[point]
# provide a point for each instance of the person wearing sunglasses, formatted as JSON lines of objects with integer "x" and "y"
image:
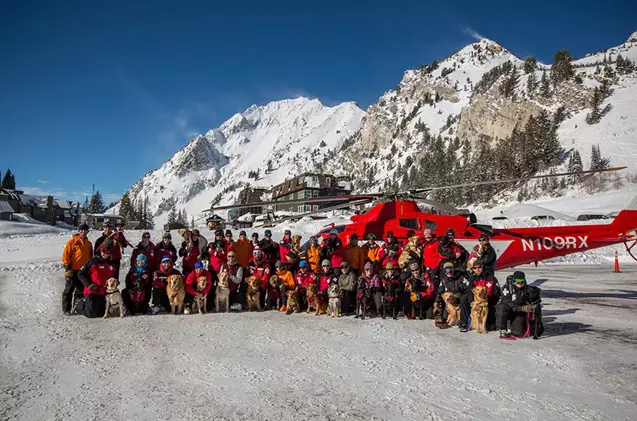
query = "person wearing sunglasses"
{"x": 430, "y": 256}
{"x": 374, "y": 286}
{"x": 347, "y": 283}
{"x": 93, "y": 276}
{"x": 313, "y": 254}
{"x": 147, "y": 248}
{"x": 450, "y": 250}
{"x": 77, "y": 251}
{"x": 218, "y": 251}
{"x": 478, "y": 278}
{"x": 521, "y": 305}
{"x": 488, "y": 256}
{"x": 243, "y": 247}
{"x": 451, "y": 280}
{"x": 332, "y": 250}
{"x": 419, "y": 294}
{"x": 270, "y": 249}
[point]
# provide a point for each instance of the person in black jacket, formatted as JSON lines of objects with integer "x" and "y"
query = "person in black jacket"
{"x": 269, "y": 248}
{"x": 451, "y": 251}
{"x": 479, "y": 278}
{"x": 489, "y": 257}
{"x": 519, "y": 303}
{"x": 451, "y": 280}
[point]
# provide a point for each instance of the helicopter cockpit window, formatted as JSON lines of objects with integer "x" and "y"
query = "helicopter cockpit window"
{"x": 409, "y": 223}
{"x": 431, "y": 225}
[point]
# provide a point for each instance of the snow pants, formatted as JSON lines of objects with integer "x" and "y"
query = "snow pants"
{"x": 73, "y": 290}
{"x": 94, "y": 305}
{"x": 377, "y": 297}
{"x": 505, "y": 313}
{"x": 465, "y": 310}
{"x": 132, "y": 306}
{"x": 421, "y": 308}
{"x": 159, "y": 298}
{"x": 348, "y": 302}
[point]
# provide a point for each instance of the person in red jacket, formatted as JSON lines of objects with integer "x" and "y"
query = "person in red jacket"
{"x": 93, "y": 276}
{"x": 189, "y": 252}
{"x": 430, "y": 256}
{"x": 390, "y": 251}
{"x": 237, "y": 287}
{"x": 147, "y": 248}
{"x": 285, "y": 245}
{"x": 332, "y": 250}
{"x": 138, "y": 287}
{"x": 165, "y": 249}
{"x": 451, "y": 251}
{"x": 159, "y": 297}
{"x": 480, "y": 279}
{"x": 419, "y": 294}
{"x": 304, "y": 277}
{"x": 218, "y": 251}
{"x": 261, "y": 268}
{"x": 191, "y": 287}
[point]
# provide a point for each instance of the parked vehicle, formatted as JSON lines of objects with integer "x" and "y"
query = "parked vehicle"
{"x": 499, "y": 218}
{"x": 542, "y": 218}
{"x": 591, "y": 217}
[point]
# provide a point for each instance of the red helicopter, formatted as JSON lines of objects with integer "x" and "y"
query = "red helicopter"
{"x": 399, "y": 213}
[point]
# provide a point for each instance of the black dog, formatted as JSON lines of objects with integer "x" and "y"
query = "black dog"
{"x": 136, "y": 298}
{"x": 390, "y": 298}
{"x": 363, "y": 296}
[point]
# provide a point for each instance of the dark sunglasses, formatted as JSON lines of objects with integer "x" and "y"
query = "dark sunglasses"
{"x": 146, "y": 236}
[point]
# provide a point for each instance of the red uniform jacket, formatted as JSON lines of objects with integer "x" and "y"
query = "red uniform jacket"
{"x": 385, "y": 252}
{"x": 285, "y": 246}
{"x": 160, "y": 277}
{"x": 326, "y": 279}
{"x": 162, "y": 250}
{"x": 430, "y": 256}
{"x": 96, "y": 271}
{"x": 219, "y": 258}
{"x": 120, "y": 242}
{"x": 304, "y": 280}
{"x": 136, "y": 284}
{"x": 261, "y": 270}
{"x": 148, "y": 251}
{"x": 427, "y": 288}
{"x": 191, "y": 282}
{"x": 235, "y": 273}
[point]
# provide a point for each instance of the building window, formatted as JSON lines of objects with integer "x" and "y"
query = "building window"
{"x": 315, "y": 193}
{"x": 328, "y": 182}
{"x": 431, "y": 225}
{"x": 299, "y": 208}
{"x": 299, "y": 194}
{"x": 409, "y": 223}
{"x": 307, "y": 194}
{"x": 315, "y": 207}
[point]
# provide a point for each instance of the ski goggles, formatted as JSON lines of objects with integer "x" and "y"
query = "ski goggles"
{"x": 519, "y": 281}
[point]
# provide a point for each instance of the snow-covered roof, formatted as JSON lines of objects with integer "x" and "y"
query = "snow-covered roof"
{"x": 38, "y": 201}
{"x": 525, "y": 210}
{"x": 5, "y": 207}
{"x": 63, "y": 204}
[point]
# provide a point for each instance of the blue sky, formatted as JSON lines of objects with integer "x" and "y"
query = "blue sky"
{"x": 103, "y": 92}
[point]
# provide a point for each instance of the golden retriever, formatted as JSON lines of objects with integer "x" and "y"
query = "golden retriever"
{"x": 253, "y": 294}
{"x": 293, "y": 305}
{"x": 222, "y": 293}
{"x": 453, "y": 308}
{"x": 176, "y": 291}
{"x": 314, "y": 300}
{"x": 477, "y": 253}
{"x": 479, "y": 310}
{"x": 114, "y": 300}
{"x": 201, "y": 299}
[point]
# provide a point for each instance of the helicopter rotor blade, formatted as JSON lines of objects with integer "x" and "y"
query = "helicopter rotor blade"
{"x": 513, "y": 180}
{"x": 344, "y": 198}
{"x": 328, "y": 209}
{"x": 437, "y": 205}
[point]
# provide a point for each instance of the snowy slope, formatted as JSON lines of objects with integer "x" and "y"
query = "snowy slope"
{"x": 291, "y": 134}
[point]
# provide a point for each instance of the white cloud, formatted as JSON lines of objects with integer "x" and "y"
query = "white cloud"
{"x": 473, "y": 34}
{"x": 43, "y": 181}
{"x": 37, "y": 191}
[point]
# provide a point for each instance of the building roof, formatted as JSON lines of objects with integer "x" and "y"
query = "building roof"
{"x": 37, "y": 201}
{"x": 5, "y": 207}
{"x": 62, "y": 204}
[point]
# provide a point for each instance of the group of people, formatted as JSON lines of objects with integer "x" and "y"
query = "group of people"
{"x": 413, "y": 276}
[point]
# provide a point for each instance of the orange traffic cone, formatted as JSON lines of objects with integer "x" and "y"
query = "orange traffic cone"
{"x": 616, "y": 264}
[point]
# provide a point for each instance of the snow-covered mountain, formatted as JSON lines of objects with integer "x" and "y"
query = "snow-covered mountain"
{"x": 475, "y": 97}
{"x": 278, "y": 140}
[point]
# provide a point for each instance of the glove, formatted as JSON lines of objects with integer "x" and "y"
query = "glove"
{"x": 93, "y": 287}
{"x": 68, "y": 274}
{"x": 526, "y": 308}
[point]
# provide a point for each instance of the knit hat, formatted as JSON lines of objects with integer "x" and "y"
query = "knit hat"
{"x": 369, "y": 266}
{"x": 83, "y": 227}
{"x": 166, "y": 259}
{"x": 518, "y": 274}
{"x": 141, "y": 258}
{"x": 414, "y": 266}
{"x": 287, "y": 232}
{"x": 243, "y": 233}
{"x": 326, "y": 263}
{"x": 198, "y": 265}
{"x": 302, "y": 264}
{"x": 278, "y": 264}
{"x": 448, "y": 265}
{"x": 167, "y": 235}
{"x": 389, "y": 266}
{"x": 333, "y": 231}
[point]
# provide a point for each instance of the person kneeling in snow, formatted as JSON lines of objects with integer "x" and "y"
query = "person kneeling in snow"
{"x": 160, "y": 282}
{"x": 520, "y": 304}
{"x": 93, "y": 276}
{"x": 138, "y": 286}
{"x": 191, "y": 287}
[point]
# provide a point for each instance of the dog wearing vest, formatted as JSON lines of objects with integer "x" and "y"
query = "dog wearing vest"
{"x": 176, "y": 291}
{"x": 114, "y": 301}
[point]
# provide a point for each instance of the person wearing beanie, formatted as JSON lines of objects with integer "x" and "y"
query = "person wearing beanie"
{"x": 217, "y": 251}
{"x": 419, "y": 294}
{"x": 347, "y": 283}
{"x": 77, "y": 252}
{"x": 304, "y": 277}
{"x": 243, "y": 248}
{"x": 390, "y": 251}
{"x": 430, "y": 256}
{"x": 158, "y": 295}
{"x": 373, "y": 286}
{"x": 93, "y": 276}
{"x": 327, "y": 277}
{"x": 165, "y": 249}
{"x": 520, "y": 305}
{"x": 254, "y": 239}
{"x": 451, "y": 251}
{"x": 451, "y": 280}
{"x": 478, "y": 278}
{"x": 236, "y": 282}
{"x": 269, "y": 248}
{"x": 138, "y": 284}
{"x": 191, "y": 288}
{"x": 313, "y": 255}
{"x": 287, "y": 281}
{"x": 372, "y": 249}
{"x": 262, "y": 270}
{"x": 393, "y": 287}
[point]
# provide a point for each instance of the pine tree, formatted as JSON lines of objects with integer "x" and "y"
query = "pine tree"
{"x": 172, "y": 214}
{"x": 96, "y": 205}
{"x": 8, "y": 182}
{"x": 575, "y": 165}
{"x": 531, "y": 83}
{"x": 562, "y": 68}
{"x": 125, "y": 206}
{"x": 530, "y": 63}
{"x": 595, "y": 115}
{"x": 180, "y": 217}
{"x": 192, "y": 221}
{"x": 184, "y": 216}
{"x": 507, "y": 89}
{"x": 149, "y": 222}
{"x": 545, "y": 85}
{"x": 595, "y": 158}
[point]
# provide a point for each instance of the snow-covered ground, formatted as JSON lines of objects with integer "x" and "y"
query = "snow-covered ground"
{"x": 271, "y": 366}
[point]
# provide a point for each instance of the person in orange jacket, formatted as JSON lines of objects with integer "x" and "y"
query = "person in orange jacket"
{"x": 243, "y": 248}
{"x": 313, "y": 255}
{"x": 287, "y": 279}
{"x": 372, "y": 249}
{"x": 77, "y": 251}
{"x": 355, "y": 255}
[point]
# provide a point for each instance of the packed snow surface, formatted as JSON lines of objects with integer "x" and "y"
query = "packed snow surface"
{"x": 270, "y": 366}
